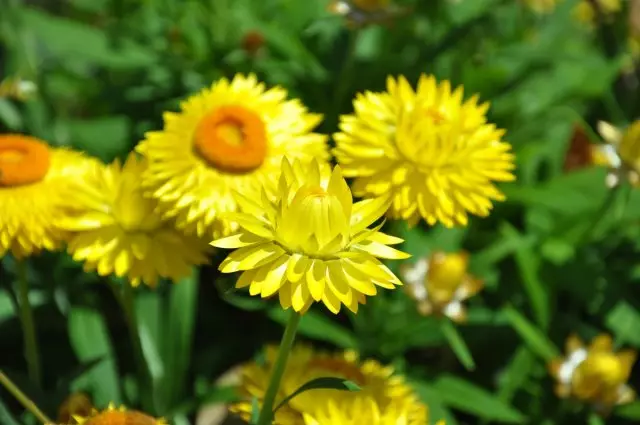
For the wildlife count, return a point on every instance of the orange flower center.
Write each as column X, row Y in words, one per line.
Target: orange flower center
column 232, row 139
column 116, row 417
column 23, row 160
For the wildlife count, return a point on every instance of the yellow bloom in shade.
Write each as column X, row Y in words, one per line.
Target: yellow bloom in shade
column 365, row 410
column 594, row 374
column 34, row 181
column 621, row 152
column 440, row 283
column 585, row 13
column 118, row 416
column 226, row 139
column 434, row 155
column 117, row 231
column 542, row 6
column 312, row 243
column 389, row 393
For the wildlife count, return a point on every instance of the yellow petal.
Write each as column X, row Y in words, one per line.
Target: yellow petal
column 298, row 265
column 385, row 239
column 315, row 278
column 246, row 278
column 365, row 212
column 380, row 250
column 337, row 274
column 339, row 188
column 238, row 240
column 251, row 257
column 275, row 277
column 251, row 224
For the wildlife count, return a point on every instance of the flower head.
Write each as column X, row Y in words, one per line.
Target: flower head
column 440, row 283
column 118, row 416
column 431, row 153
column 76, row 405
column 378, row 387
column 226, row 139
column 585, row 12
column 34, row 182
column 594, row 374
column 311, row 243
column 621, row 152
column 116, row 229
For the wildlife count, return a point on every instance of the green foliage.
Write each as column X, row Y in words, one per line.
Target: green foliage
column 558, row 256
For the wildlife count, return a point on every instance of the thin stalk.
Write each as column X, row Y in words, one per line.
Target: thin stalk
column 278, row 369
column 28, row 325
column 26, row 402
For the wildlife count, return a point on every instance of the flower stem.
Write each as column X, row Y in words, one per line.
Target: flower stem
column 125, row 294
column 28, row 326
column 23, row 399
column 278, row 369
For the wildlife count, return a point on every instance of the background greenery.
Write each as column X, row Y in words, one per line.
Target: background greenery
column 553, row 259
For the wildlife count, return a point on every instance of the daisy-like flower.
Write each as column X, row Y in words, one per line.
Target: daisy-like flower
column 365, row 410
column 34, row 182
column 621, row 152
column 585, row 13
column 76, row 405
column 594, row 374
column 379, row 387
column 434, row 155
column 312, row 242
column 118, row 416
column 440, row 283
column 226, row 139
column 116, row 229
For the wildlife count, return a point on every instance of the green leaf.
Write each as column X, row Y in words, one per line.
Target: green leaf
column 629, row 411
column 457, row 344
column 179, row 335
column 437, row 409
column 90, row 340
column 255, row 411
column 532, row 336
column 316, row 326
column 465, row 396
column 5, row 416
column 330, row 383
column 624, row 321
column 10, row 115
column 516, row 374
column 89, row 136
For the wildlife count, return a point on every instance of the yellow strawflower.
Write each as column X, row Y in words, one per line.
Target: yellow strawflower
column 440, row 283
column 432, row 154
column 116, row 229
column 621, row 152
column 585, row 12
column 311, row 243
column 594, row 374
column 226, row 139
column 118, row 416
column 34, row 183
column 389, row 393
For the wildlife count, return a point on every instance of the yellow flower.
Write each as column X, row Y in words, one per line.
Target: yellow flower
column 311, row 243
column 595, row 374
column 365, row 410
column 378, row 384
column 117, row 231
column 17, row 88
column 226, row 139
column 76, row 405
column 440, row 283
column 118, row 416
column 431, row 153
column 542, row 6
column 585, row 13
column 34, row 180
column 621, row 152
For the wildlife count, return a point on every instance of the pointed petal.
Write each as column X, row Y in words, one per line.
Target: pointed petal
column 238, row 240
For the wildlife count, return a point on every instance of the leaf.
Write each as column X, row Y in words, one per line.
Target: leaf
column 437, row 410
column 5, row 416
column 255, row 411
column 457, row 344
column 178, row 340
column 629, row 411
column 89, row 136
column 624, row 321
column 318, row 384
column 10, row 115
column 532, row 336
column 516, row 374
column 90, row 340
column 467, row 397
column 315, row 326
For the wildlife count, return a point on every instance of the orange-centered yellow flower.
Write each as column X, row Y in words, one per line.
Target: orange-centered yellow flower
column 226, row 139
column 34, row 181
column 116, row 230
column 380, row 389
column 434, row 155
column 594, row 374
column 118, row 416
column 311, row 243
column 440, row 283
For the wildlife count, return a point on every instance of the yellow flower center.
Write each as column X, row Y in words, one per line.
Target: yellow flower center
column 23, row 160
column 232, row 139
column 116, row 417
column 438, row 116
column 606, row 367
column 134, row 212
column 315, row 223
column 447, row 271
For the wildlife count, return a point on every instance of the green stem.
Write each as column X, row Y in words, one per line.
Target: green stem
column 23, row 399
column 126, row 297
column 28, row 326
column 278, row 369
column 343, row 79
